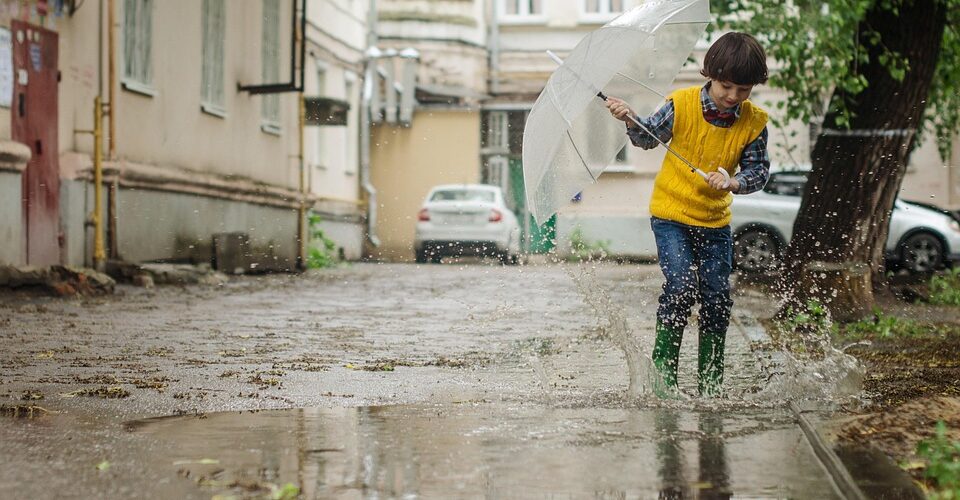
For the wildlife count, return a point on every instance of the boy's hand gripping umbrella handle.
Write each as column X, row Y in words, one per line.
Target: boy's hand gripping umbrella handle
column 601, row 95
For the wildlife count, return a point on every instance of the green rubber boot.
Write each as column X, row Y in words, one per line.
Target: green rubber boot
column 666, row 358
column 710, row 364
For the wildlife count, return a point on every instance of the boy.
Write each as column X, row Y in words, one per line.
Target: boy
column 713, row 127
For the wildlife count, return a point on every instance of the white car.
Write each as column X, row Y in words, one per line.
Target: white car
column 920, row 238
column 466, row 219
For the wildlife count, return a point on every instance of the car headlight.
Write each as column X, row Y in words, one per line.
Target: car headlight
column 955, row 226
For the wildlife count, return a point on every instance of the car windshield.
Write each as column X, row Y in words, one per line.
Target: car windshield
column 787, row 183
column 463, row 195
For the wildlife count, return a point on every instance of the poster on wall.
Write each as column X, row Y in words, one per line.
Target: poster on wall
column 6, row 68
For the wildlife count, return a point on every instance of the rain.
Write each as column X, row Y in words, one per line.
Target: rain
column 485, row 248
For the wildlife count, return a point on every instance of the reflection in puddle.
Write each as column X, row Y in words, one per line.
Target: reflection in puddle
column 492, row 450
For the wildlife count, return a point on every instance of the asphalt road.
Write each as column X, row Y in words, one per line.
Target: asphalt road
column 381, row 380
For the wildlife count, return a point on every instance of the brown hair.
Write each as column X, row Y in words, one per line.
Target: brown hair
column 736, row 57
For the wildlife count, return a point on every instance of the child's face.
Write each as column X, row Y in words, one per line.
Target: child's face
column 729, row 94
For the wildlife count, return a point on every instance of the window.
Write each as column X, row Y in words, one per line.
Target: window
column 137, row 45
column 522, row 7
column 321, row 91
column 270, row 64
column 211, row 81
column 787, row 183
column 349, row 85
column 498, row 172
column 603, row 6
column 497, row 131
column 484, row 195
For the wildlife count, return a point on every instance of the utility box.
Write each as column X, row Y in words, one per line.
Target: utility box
column 231, row 252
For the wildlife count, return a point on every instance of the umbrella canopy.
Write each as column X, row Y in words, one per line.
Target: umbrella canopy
column 570, row 137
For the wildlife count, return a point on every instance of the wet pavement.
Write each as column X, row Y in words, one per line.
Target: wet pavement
column 374, row 380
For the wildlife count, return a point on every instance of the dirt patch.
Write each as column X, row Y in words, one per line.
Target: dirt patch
column 912, row 380
column 911, row 351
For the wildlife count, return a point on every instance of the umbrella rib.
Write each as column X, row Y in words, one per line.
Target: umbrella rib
column 584, row 162
column 638, row 82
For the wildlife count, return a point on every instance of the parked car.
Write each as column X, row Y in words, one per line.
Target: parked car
column 466, row 219
column 920, row 238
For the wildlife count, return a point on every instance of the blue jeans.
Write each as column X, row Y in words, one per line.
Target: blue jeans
column 696, row 262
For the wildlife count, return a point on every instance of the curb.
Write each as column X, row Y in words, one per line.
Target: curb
column 772, row 364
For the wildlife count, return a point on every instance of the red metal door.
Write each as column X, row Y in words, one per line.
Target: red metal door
column 34, row 123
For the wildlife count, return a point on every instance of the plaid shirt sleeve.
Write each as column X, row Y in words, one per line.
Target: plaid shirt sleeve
column 754, row 165
column 660, row 123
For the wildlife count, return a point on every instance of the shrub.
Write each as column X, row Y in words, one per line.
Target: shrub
column 321, row 252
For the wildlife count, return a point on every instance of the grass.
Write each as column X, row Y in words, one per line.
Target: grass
column 943, row 464
column 881, row 326
column 945, row 288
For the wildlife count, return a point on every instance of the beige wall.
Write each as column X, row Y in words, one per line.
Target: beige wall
column 442, row 146
column 169, row 128
column 336, row 37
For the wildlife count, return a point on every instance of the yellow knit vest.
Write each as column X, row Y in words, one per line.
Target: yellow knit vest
column 683, row 196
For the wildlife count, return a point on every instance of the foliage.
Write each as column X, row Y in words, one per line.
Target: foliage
column 583, row 249
column 886, row 326
column 945, row 288
column 820, row 45
column 805, row 330
column 943, row 463
column 814, row 318
column 288, row 491
column 323, row 255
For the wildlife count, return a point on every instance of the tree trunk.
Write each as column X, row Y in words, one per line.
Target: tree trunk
column 843, row 219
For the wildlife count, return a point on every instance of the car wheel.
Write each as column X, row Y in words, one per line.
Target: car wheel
column 921, row 253
column 756, row 251
column 421, row 256
column 435, row 257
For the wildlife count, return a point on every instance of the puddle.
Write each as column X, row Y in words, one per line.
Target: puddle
column 489, row 450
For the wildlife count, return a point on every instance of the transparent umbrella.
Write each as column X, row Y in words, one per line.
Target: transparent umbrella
column 570, row 137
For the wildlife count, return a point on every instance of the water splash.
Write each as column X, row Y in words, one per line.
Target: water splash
column 616, row 328
column 818, row 371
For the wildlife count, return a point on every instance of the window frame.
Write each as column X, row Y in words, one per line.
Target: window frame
column 604, row 14
column 137, row 29
column 213, row 102
column 524, row 13
column 270, row 115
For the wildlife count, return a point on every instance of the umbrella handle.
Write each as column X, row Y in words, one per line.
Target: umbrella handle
column 723, row 172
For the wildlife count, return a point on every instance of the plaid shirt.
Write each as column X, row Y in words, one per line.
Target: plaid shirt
column 754, row 161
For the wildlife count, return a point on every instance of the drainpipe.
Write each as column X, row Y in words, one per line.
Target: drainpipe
column 114, row 251
column 369, row 75
column 302, row 236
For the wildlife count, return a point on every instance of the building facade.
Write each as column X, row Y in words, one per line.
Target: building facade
column 192, row 149
column 438, row 142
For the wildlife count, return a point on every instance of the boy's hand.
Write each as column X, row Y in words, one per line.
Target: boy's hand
column 619, row 109
column 716, row 181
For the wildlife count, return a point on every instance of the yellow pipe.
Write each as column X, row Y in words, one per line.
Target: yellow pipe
column 98, row 252
column 302, row 235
